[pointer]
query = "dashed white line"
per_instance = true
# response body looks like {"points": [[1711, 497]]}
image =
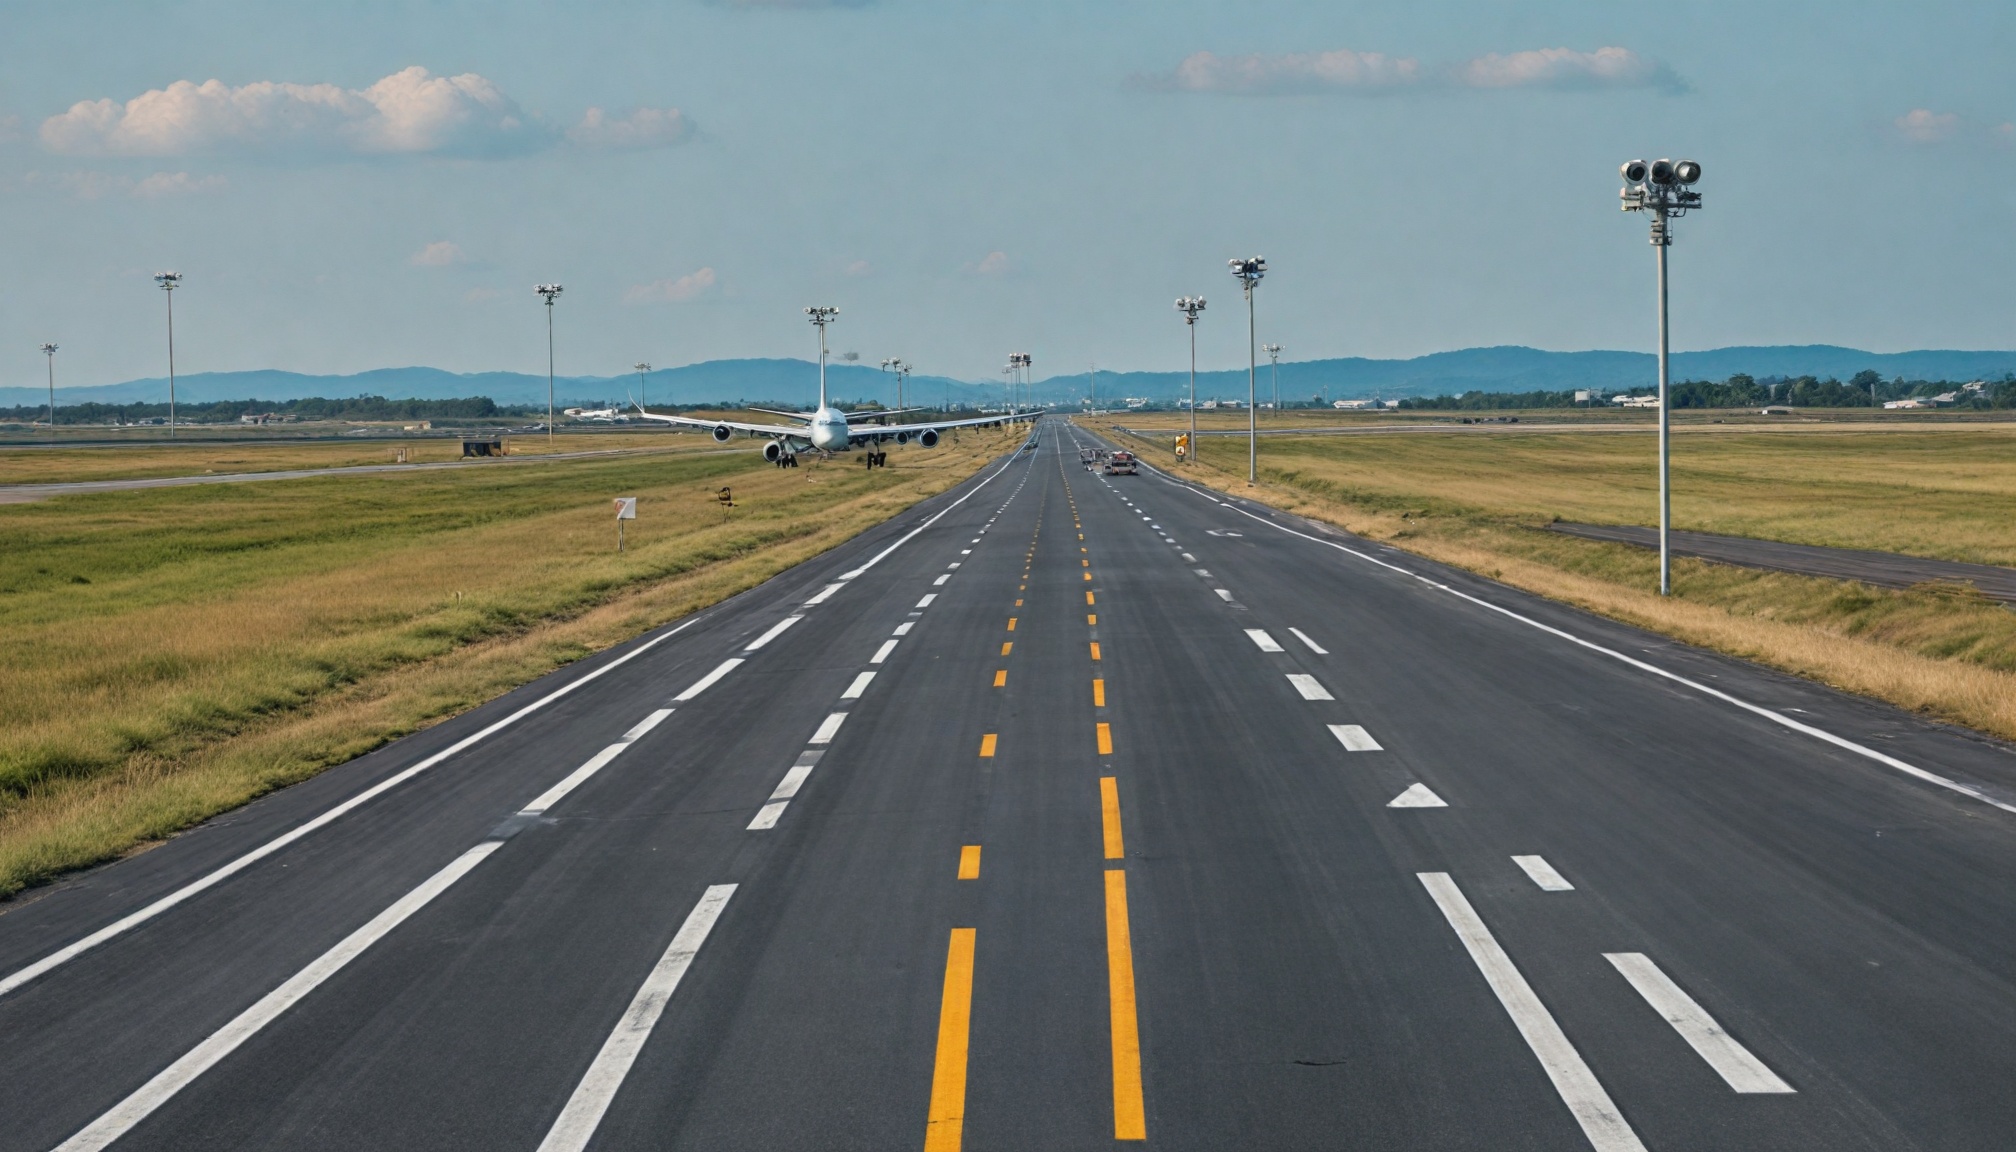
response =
{"points": [[709, 680], [926, 601], [583, 1114], [1308, 687], [1543, 874], [859, 686], [1731, 1060], [1355, 738], [902, 629], [1313, 646], [1189, 559], [824, 594], [827, 728], [775, 631], [1417, 796], [940, 580], [1223, 595], [1601, 1122], [1262, 640], [645, 725]]}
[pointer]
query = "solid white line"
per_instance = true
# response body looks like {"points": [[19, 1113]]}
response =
{"points": [[1735, 1063], [882, 653], [859, 686], [775, 631], [1308, 687], [903, 629], [1758, 710], [941, 580], [827, 728], [221, 1043], [926, 601], [1313, 646], [1355, 738], [645, 725], [824, 594], [1543, 874], [709, 680], [133, 920], [1223, 594], [1601, 1122], [583, 1113], [1265, 642]]}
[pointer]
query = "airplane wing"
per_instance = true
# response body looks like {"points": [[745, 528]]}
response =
{"points": [[856, 417], [723, 429], [806, 416], [875, 432]]}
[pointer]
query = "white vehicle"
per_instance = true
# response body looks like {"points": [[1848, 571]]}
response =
{"points": [[827, 430]]}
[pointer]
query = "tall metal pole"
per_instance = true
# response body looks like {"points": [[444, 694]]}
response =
{"points": [[169, 281], [49, 350], [549, 292], [642, 369], [1190, 306], [1274, 373], [1663, 240], [1249, 272]]}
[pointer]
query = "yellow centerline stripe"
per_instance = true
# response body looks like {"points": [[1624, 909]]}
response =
{"points": [[1105, 739], [969, 862], [1001, 678], [947, 1121], [1095, 650], [1011, 623], [1098, 693], [1109, 817], [1130, 1114], [1088, 597], [987, 744], [1007, 646]]}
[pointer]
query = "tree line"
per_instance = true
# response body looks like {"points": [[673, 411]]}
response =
{"points": [[309, 408], [1863, 390]]}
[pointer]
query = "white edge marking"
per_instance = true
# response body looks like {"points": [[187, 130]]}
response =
{"points": [[859, 686], [775, 631], [1731, 1060], [1758, 710], [1262, 640], [1591, 1106], [209, 880], [583, 1114], [828, 728], [1355, 738], [221, 1043], [1318, 649], [709, 680], [1543, 874]]}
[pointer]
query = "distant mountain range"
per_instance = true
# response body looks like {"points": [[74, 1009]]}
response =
{"points": [[795, 382]]}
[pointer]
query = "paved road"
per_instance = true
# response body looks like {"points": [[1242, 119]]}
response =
{"points": [[25, 493], [1013, 840], [1886, 569]]}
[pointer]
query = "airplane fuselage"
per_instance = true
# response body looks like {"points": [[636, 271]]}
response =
{"points": [[828, 430]]}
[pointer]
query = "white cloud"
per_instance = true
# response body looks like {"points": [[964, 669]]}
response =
{"points": [[177, 184], [688, 287], [992, 264], [1567, 68], [411, 111], [1341, 70], [1924, 126], [641, 128], [439, 254]]}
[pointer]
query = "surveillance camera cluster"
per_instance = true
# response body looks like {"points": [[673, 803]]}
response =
{"points": [[1661, 187]]}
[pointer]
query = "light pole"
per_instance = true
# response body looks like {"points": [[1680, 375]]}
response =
{"points": [[549, 293], [896, 365], [49, 350], [1190, 306], [1020, 362], [1274, 373], [643, 369], [821, 315], [169, 281], [1662, 188], [1249, 271], [1093, 402]]}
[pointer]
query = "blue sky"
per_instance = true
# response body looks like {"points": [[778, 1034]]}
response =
{"points": [[372, 185]]}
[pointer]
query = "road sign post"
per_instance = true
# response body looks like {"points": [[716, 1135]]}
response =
{"points": [[626, 509]]}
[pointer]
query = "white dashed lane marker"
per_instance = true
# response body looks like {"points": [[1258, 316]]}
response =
{"points": [[1261, 639], [1733, 1062], [941, 579], [1355, 738], [1223, 595], [926, 601], [823, 594], [1543, 874], [1318, 649], [859, 686], [903, 629], [708, 681], [882, 653], [1308, 686], [775, 631], [1417, 796]]}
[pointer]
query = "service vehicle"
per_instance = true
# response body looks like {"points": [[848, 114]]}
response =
{"points": [[1120, 464]]}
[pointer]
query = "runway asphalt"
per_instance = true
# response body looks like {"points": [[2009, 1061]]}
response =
{"points": [[1210, 830], [1885, 569]]}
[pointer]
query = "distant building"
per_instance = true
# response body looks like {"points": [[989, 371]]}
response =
{"points": [[1353, 405], [1903, 404], [1636, 401]]}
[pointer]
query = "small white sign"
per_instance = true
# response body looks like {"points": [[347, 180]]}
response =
{"points": [[626, 507]]}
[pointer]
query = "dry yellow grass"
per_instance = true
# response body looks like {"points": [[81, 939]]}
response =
{"points": [[228, 640], [1482, 503]]}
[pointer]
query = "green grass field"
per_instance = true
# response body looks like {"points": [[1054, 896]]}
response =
{"points": [[1483, 500], [167, 654]]}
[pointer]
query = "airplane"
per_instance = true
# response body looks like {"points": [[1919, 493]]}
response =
{"points": [[827, 429]]}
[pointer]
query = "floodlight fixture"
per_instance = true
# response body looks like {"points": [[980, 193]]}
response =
{"points": [[1662, 188], [49, 350], [549, 293], [643, 369], [902, 370], [1274, 361], [821, 315]]}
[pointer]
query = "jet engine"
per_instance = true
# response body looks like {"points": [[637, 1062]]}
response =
{"points": [[773, 451], [722, 432], [929, 438]]}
